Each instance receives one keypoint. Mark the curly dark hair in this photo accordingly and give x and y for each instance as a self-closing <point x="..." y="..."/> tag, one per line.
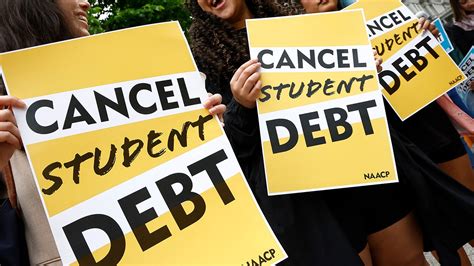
<point x="27" y="23"/>
<point x="219" y="49"/>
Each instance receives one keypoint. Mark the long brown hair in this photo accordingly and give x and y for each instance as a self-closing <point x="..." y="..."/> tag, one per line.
<point x="219" y="49"/>
<point x="27" y="23"/>
<point x="457" y="10"/>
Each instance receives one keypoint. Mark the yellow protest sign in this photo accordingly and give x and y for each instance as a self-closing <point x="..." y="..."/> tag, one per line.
<point x="321" y="113"/>
<point x="131" y="169"/>
<point x="416" y="69"/>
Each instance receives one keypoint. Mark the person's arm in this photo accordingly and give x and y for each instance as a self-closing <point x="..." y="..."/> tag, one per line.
<point x="241" y="127"/>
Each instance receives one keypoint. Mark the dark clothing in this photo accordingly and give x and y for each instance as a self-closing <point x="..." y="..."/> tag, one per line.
<point x="382" y="205"/>
<point x="362" y="211"/>
<point x="439" y="200"/>
<point x="444" y="207"/>
<point x="3" y="187"/>
<point x="432" y="131"/>
<point x="302" y="222"/>
<point x="461" y="39"/>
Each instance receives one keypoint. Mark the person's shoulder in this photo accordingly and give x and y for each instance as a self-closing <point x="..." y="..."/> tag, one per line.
<point x="450" y="26"/>
<point x="453" y="31"/>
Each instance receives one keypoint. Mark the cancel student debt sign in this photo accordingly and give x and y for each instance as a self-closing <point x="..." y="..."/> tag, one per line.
<point x="321" y="113"/>
<point x="130" y="167"/>
<point x="416" y="69"/>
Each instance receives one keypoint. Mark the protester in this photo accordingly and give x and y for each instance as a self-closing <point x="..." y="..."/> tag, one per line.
<point x="430" y="129"/>
<point x="438" y="139"/>
<point x="27" y="23"/>
<point x="23" y="24"/>
<point x="301" y="222"/>
<point x="461" y="32"/>
<point x="219" y="44"/>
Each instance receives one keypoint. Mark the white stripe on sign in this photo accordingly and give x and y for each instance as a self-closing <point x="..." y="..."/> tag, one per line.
<point x="90" y="109"/>
<point x="106" y="203"/>
<point x="389" y="21"/>
<point x="315" y="59"/>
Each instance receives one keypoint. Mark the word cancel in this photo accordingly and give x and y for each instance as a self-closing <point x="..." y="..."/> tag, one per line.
<point x="320" y="102"/>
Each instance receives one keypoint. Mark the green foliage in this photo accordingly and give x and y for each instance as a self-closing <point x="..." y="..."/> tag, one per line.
<point x="108" y="15"/>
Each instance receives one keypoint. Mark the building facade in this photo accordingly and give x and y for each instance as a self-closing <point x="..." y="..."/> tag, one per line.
<point x="435" y="8"/>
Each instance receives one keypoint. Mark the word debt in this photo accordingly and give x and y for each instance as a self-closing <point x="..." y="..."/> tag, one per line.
<point x="336" y="119"/>
<point x="407" y="66"/>
<point x="311" y="58"/>
<point x="78" y="111"/>
<point x="178" y="205"/>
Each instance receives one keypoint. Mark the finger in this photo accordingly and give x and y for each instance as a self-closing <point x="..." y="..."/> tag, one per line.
<point x="421" y="21"/>
<point x="434" y="30"/>
<point x="380" y="60"/>
<point x="9" y="138"/>
<point x="426" y="25"/>
<point x="250" y="83"/>
<point x="378" y="64"/>
<point x="239" y="71"/>
<point x="7" y="115"/>
<point x="379" y="69"/>
<point x="215" y="99"/>
<point x="10" y="127"/>
<point x="245" y="76"/>
<point x="11" y="101"/>
<point x="217" y="110"/>
<point x="255" y="92"/>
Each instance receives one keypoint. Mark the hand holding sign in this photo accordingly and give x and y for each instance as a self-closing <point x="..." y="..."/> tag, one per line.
<point x="127" y="172"/>
<point x="246" y="84"/>
<point x="416" y="70"/>
<point x="426" y="24"/>
<point x="378" y="62"/>
<point x="215" y="107"/>
<point x="320" y="103"/>
<point x="10" y="139"/>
